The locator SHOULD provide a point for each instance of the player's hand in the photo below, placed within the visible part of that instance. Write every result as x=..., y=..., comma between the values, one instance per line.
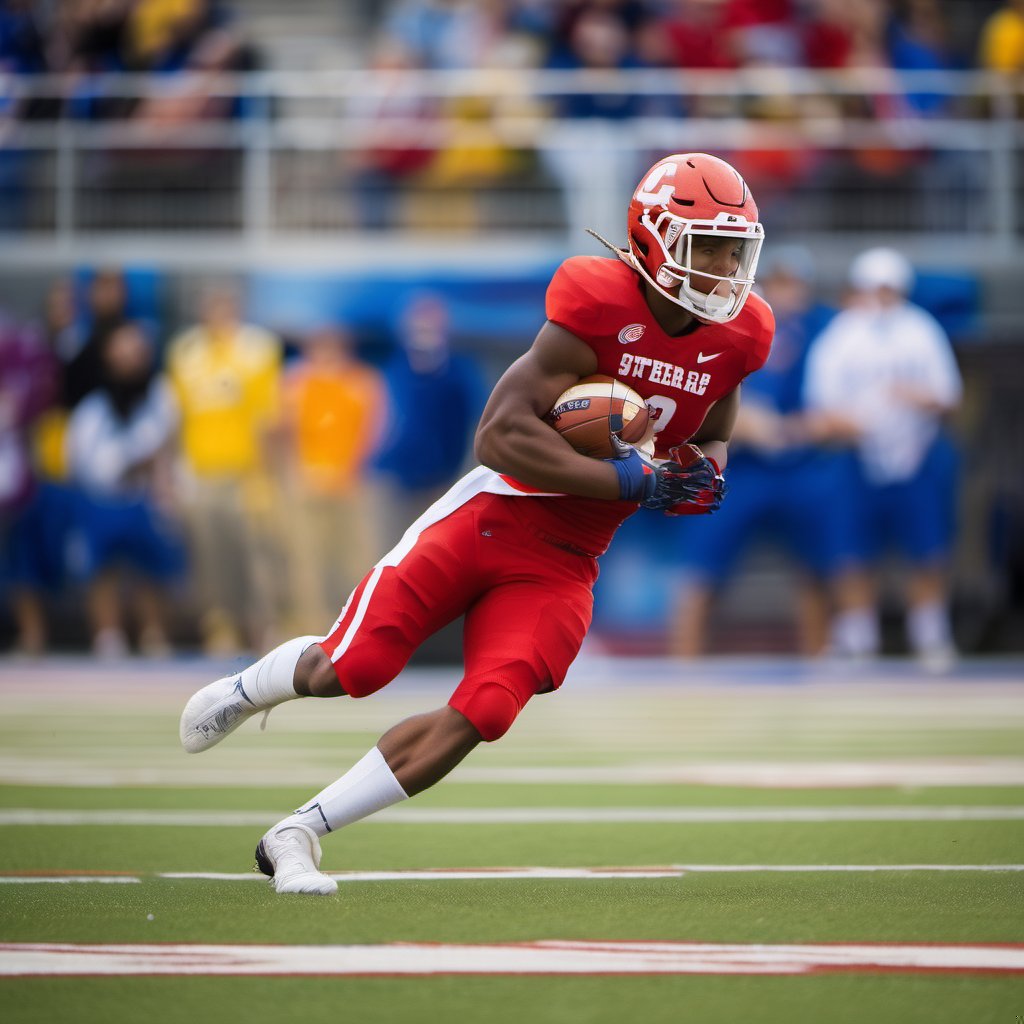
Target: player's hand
x=637, y=477
x=689, y=484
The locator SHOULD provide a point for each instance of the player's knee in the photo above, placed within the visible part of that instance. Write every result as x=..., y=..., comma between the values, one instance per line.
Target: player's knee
x=315, y=675
x=490, y=708
x=361, y=676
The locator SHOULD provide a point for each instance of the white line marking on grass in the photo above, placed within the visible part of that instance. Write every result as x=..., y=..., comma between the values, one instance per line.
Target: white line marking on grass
x=672, y=871
x=527, y=815
x=68, y=879
x=527, y=873
x=850, y=774
x=729, y=868
x=461, y=874
x=284, y=767
x=549, y=957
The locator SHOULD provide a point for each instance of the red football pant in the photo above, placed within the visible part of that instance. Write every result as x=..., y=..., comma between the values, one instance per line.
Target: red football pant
x=527, y=602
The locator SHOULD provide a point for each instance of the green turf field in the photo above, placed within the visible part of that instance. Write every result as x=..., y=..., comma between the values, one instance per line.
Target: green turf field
x=724, y=804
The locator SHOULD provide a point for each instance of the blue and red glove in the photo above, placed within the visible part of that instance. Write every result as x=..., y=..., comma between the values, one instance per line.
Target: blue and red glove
x=689, y=484
x=700, y=477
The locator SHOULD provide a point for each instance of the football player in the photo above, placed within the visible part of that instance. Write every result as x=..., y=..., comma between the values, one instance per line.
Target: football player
x=514, y=545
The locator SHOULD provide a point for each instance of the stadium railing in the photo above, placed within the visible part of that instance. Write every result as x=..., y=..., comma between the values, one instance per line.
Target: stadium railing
x=300, y=164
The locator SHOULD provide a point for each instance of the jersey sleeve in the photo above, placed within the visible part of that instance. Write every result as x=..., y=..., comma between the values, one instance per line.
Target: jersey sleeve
x=570, y=302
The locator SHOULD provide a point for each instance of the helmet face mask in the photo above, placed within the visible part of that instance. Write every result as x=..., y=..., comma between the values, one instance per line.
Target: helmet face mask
x=682, y=200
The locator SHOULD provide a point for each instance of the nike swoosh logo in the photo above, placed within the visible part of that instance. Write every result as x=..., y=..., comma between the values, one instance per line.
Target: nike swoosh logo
x=701, y=358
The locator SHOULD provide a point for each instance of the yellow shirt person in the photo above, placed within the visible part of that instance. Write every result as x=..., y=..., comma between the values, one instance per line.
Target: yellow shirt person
x=227, y=377
x=227, y=382
x=1001, y=47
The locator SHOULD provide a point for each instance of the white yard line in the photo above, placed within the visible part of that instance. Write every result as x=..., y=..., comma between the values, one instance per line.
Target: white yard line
x=69, y=879
x=550, y=957
x=527, y=873
x=526, y=816
x=250, y=769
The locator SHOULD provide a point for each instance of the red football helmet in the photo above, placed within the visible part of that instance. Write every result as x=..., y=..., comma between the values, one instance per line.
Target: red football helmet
x=687, y=195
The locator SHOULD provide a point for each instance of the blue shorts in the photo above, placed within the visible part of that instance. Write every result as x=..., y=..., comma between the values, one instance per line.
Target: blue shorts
x=123, y=531
x=803, y=507
x=915, y=518
x=34, y=548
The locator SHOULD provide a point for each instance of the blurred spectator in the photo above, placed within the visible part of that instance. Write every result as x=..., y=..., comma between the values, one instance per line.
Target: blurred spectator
x=888, y=366
x=447, y=34
x=1001, y=47
x=597, y=41
x=918, y=39
x=159, y=34
x=29, y=555
x=22, y=38
x=226, y=375
x=434, y=400
x=333, y=411
x=699, y=32
x=781, y=480
x=195, y=98
x=765, y=33
x=120, y=440
x=390, y=158
x=107, y=306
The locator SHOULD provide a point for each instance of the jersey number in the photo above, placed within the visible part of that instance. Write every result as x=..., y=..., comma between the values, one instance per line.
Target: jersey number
x=662, y=409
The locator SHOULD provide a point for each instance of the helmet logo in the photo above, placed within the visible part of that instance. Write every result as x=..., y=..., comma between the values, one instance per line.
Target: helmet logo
x=646, y=193
x=631, y=333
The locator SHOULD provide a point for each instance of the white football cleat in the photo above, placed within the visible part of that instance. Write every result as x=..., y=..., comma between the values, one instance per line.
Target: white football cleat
x=290, y=856
x=213, y=712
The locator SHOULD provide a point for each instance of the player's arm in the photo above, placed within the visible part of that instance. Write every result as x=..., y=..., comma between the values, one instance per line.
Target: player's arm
x=713, y=435
x=513, y=438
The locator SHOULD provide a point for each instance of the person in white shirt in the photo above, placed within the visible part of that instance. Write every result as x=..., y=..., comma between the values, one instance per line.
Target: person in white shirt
x=119, y=445
x=888, y=366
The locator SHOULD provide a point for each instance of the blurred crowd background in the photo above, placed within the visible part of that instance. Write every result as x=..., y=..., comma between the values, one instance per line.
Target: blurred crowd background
x=260, y=264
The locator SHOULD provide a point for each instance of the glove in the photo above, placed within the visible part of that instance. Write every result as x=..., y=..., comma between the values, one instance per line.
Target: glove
x=689, y=484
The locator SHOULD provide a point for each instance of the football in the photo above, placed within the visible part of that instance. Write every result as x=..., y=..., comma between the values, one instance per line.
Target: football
x=595, y=408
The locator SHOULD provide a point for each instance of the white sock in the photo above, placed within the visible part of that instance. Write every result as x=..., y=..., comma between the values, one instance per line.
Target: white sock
x=269, y=681
x=928, y=628
x=856, y=633
x=368, y=786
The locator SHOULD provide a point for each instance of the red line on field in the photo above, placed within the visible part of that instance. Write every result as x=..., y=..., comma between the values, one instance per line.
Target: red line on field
x=551, y=957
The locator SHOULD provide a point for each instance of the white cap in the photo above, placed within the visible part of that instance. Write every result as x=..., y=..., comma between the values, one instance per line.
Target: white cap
x=882, y=268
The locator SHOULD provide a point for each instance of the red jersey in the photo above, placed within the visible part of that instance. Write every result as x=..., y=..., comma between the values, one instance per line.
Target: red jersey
x=602, y=302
